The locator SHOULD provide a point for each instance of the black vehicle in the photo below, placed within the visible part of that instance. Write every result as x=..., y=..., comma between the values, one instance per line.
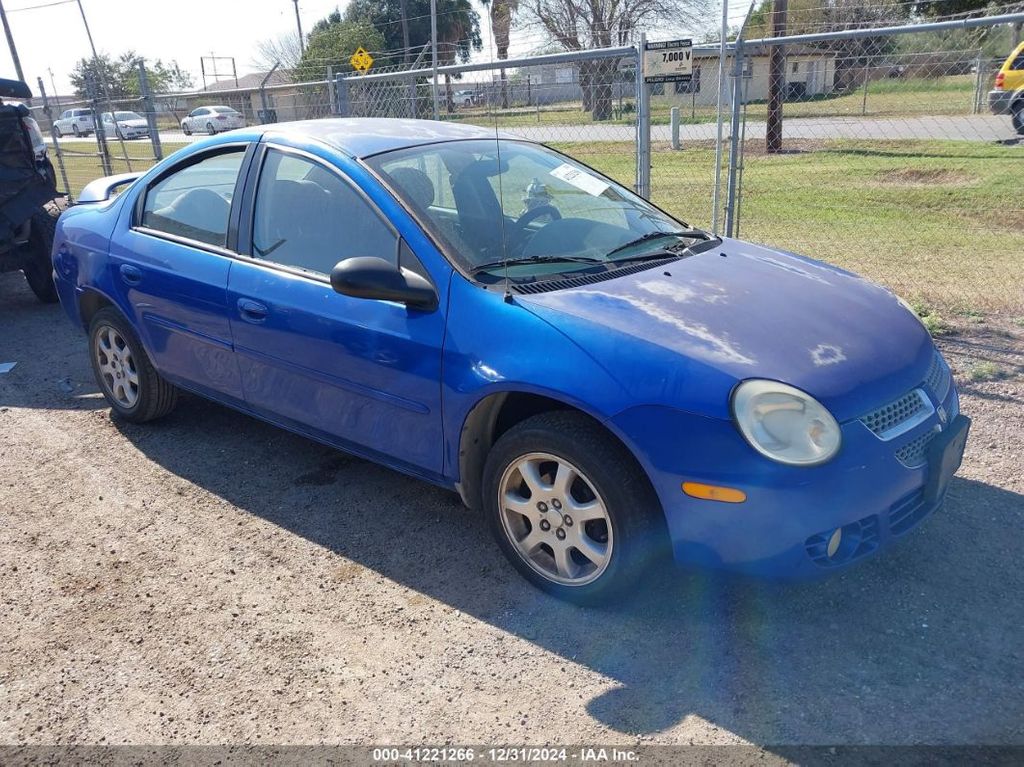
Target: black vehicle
x=29, y=202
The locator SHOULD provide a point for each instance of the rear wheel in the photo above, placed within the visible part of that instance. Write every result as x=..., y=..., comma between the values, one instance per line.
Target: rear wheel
x=210, y=129
x=77, y=131
x=571, y=509
x=39, y=268
x=1018, y=117
x=128, y=380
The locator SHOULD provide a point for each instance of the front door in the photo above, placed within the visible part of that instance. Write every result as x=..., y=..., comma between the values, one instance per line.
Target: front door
x=362, y=373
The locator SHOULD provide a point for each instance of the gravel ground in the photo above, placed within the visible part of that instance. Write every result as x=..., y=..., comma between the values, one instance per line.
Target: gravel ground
x=211, y=579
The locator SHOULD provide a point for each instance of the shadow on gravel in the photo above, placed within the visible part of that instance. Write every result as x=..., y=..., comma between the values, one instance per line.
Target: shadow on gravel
x=920, y=646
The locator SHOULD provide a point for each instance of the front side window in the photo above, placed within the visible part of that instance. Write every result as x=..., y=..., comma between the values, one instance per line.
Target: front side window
x=491, y=201
x=308, y=218
x=195, y=202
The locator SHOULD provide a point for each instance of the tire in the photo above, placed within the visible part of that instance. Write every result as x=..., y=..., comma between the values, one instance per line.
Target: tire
x=38, y=268
x=185, y=129
x=150, y=396
x=77, y=131
x=210, y=129
x=1018, y=117
x=56, y=132
x=622, y=543
x=120, y=136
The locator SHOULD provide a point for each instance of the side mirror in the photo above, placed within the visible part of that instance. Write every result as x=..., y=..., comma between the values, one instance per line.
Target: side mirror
x=375, y=278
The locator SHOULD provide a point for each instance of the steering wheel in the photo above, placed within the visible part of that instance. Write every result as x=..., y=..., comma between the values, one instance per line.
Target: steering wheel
x=520, y=224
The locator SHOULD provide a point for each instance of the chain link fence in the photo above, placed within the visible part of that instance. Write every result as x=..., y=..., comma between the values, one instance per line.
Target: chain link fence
x=890, y=162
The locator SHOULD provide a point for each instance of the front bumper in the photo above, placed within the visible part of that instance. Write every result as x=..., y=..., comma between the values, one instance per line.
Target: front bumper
x=999, y=102
x=782, y=529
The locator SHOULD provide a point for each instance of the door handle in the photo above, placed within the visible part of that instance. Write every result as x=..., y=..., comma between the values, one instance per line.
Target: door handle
x=251, y=311
x=131, y=274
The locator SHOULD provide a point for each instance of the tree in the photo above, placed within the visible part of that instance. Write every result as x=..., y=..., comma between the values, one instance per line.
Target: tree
x=332, y=42
x=578, y=25
x=285, y=50
x=120, y=76
x=502, y=12
x=458, y=25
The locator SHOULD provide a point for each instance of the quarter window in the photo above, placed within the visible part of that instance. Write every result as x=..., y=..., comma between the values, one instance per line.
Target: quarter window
x=195, y=202
x=308, y=218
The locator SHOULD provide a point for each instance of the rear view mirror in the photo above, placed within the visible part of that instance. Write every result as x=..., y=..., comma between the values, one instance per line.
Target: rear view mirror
x=375, y=278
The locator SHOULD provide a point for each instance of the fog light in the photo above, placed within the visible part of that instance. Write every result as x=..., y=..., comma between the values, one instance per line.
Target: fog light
x=833, y=542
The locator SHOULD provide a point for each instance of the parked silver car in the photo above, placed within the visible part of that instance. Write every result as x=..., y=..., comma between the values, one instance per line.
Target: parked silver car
x=78, y=122
x=215, y=119
x=124, y=125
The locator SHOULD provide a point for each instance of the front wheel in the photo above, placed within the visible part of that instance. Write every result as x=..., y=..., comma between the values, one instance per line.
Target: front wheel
x=185, y=129
x=56, y=132
x=1018, y=118
x=128, y=380
x=571, y=509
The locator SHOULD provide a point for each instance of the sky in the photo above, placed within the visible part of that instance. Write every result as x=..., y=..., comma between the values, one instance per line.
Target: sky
x=49, y=34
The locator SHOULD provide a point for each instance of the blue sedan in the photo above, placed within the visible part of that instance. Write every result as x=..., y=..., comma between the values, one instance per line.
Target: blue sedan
x=602, y=381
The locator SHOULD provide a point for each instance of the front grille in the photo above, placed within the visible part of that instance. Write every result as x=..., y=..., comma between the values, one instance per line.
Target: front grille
x=914, y=452
x=860, y=538
x=938, y=378
x=907, y=512
x=895, y=414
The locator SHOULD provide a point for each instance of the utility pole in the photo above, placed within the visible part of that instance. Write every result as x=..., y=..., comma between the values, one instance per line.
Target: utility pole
x=403, y=9
x=10, y=43
x=776, y=80
x=298, y=24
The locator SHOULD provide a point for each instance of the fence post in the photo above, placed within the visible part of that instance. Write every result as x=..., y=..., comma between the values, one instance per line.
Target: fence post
x=979, y=83
x=332, y=98
x=147, y=99
x=411, y=87
x=643, y=124
x=734, y=136
x=674, y=120
x=341, y=94
x=101, y=137
x=53, y=137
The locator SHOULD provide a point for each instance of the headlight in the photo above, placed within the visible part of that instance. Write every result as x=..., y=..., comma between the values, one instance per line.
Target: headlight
x=784, y=423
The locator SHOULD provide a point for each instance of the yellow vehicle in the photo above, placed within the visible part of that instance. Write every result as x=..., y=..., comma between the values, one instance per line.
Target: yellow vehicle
x=1007, y=97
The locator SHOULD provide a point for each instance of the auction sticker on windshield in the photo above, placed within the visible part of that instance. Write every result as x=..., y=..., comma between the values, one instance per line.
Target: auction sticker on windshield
x=580, y=179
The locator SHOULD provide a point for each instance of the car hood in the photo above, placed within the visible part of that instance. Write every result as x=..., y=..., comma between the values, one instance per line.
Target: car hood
x=133, y=123
x=684, y=334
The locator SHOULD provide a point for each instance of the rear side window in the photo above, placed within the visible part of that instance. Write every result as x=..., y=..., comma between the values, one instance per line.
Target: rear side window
x=307, y=218
x=195, y=202
x=1018, y=63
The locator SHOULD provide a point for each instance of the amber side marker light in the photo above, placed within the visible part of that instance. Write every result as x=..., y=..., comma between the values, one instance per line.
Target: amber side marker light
x=714, y=492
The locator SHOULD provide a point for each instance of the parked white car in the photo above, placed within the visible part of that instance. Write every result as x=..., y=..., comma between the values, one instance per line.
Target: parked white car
x=78, y=122
x=212, y=120
x=465, y=98
x=124, y=125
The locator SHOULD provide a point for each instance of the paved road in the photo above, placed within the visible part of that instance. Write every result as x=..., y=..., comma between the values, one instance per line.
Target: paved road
x=208, y=578
x=955, y=128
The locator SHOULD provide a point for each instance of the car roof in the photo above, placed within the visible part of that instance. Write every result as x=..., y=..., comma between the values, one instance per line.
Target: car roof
x=365, y=136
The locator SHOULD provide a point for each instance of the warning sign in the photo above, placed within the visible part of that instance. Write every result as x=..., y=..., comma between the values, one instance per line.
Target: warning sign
x=361, y=60
x=669, y=61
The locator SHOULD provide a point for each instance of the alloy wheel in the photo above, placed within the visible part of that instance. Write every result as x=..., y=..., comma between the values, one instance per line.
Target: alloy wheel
x=555, y=519
x=116, y=366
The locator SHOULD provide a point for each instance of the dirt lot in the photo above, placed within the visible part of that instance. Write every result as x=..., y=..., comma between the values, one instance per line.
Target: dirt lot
x=212, y=579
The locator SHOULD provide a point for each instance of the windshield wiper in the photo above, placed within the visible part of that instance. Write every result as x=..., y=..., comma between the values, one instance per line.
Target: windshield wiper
x=696, y=233
x=537, y=260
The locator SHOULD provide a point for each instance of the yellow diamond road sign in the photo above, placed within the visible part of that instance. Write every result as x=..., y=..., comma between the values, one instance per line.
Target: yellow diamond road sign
x=361, y=60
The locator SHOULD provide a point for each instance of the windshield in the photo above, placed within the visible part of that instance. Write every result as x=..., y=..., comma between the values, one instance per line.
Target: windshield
x=541, y=211
x=126, y=116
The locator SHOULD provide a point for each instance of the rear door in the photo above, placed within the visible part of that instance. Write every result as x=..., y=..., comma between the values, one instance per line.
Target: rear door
x=359, y=372
x=170, y=264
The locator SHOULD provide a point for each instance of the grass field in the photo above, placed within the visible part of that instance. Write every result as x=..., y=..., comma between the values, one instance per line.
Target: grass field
x=951, y=95
x=941, y=222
